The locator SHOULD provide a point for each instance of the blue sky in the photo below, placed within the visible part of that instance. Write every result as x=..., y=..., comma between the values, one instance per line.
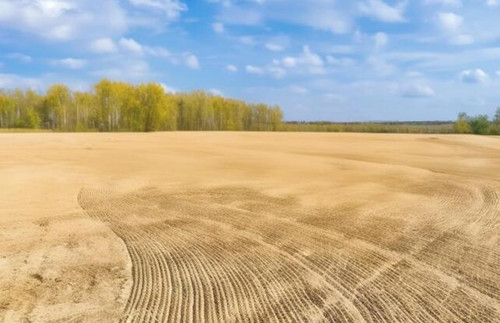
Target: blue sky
x=318, y=59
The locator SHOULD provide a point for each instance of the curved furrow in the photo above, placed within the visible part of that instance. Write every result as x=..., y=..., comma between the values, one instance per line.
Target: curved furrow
x=249, y=291
x=199, y=261
x=256, y=259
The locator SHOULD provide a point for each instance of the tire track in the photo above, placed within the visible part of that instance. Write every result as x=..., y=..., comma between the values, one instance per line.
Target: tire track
x=236, y=255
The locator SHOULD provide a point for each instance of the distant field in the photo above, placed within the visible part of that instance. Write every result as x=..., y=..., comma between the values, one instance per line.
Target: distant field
x=436, y=127
x=249, y=227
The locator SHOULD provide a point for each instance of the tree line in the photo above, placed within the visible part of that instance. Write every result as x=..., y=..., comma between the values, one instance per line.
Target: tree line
x=479, y=125
x=118, y=106
x=426, y=127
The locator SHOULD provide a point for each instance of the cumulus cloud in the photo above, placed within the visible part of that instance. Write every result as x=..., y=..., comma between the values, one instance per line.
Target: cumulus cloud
x=10, y=81
x=453, y=26
x=254, y=69
x=103, y=45
x=289, y=62
x=318, y=14
x=218, y=27
x=192, y=62
x=417, y=90
x=20, y=57
x=130, y=45
x=380, y=10
x=277, y=72
x=476, y=76
x=216, y=92
x=274, y=47
x=462, y=39
x=450, y=21
x=126, y=70
x=232, y=68
x=308, y=62
x=381, y=40
x=171, y=8
x=168, y=88
x=63, y=20
x=452, y=3
x=71, y=63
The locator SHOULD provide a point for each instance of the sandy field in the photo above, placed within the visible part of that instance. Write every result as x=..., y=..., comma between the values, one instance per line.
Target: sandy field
x=249, y=227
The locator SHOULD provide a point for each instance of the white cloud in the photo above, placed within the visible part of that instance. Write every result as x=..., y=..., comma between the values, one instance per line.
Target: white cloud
x=254, y=69
x=380, y=10
x=310, y=59
x=277, y=72
x=318, y=14
x=289, y=62
x=452, y=3
x=171, y=8
x=307, y=62
x=11, y=81
x=492, y=3
x=216, y=92
x=450, y=21
x=462, y=39
x=168, y=89
x=381, y=40
x=157, y=51
x=417, y=90
x=130, y=45
x=476, y=76
x=274, y=47
x=247, y=40
x=380, y=66
x=126, y=70
x=192, y=62
x=232, y=68
x=218, y=27
x=20, y=57
x=63, y=20
x=71, y=63
x=103, y=45
x=340, y=62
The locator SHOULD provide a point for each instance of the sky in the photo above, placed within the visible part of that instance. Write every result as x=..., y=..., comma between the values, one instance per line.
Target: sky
x=356, y=60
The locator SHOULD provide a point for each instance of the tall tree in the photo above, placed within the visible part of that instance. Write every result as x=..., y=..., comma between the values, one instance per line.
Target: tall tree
x=118, y=106
x=58, y=103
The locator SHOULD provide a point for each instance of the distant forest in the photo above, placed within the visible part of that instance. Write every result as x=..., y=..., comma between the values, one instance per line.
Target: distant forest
x=118, y=106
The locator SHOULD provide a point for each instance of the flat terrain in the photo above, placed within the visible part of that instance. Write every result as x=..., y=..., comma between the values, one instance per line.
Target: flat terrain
x=249, y=227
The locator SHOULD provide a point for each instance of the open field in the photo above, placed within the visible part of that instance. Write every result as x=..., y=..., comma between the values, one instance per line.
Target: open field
x=249, y=227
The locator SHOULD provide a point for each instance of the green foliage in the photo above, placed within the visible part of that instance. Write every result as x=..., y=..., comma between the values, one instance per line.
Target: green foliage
x=118, y=106
x=371, y=127
x=480, y=124
x=496, y=119
x=462, y=124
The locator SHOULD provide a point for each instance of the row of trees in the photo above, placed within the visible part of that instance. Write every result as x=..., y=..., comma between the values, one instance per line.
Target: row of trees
x=118, y=106
x=480, y=124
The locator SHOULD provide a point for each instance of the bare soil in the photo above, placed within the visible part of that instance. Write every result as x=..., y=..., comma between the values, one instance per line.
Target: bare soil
x=249, y=227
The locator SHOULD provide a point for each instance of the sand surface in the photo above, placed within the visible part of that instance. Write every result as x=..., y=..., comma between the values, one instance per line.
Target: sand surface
x=237, y=227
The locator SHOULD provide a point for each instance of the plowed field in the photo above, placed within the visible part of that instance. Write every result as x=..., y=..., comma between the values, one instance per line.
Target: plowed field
x=249, y=227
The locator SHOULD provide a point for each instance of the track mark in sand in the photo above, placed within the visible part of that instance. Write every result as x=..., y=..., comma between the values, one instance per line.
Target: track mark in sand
x=237, y=255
